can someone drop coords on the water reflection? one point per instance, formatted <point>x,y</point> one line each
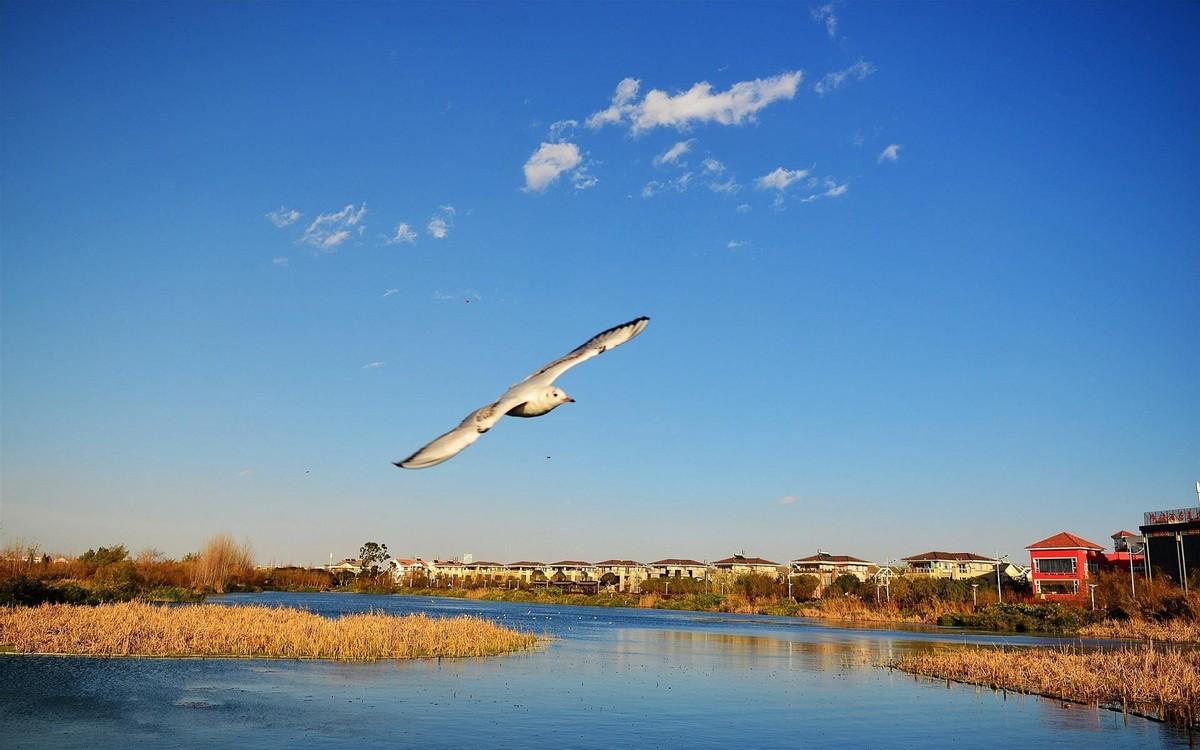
<point>632,678</point>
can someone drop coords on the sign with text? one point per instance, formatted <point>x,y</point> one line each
<point>1179,515</point>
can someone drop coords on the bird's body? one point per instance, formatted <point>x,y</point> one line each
<point>534,396</point>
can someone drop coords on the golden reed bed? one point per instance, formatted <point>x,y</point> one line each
<point>137,629</point>
<point>1163,684</point>
<point>1184,631</point>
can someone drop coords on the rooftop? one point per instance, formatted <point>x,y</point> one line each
<point>678,561</point>
<point>956,556</point>
<point>826,557</point>
<point>743,560</point>
<point>1064,540</point>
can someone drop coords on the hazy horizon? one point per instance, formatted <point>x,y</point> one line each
<point>919,276</point>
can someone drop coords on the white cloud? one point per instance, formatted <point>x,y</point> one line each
<point>389,292</point>
<point>465,295</point>
<point>788,499</point>
<point>831,189</point>
<point>404,233</point>
<point>831,81</point>
<point>744,208</point>
<point>780,178</point>
<point>372,365</point>
<point>327,231</point>
<point>735,244</point>
<point>280,260</point>
<point>548,162</point>
<point>626,90</point>
<point>440,223</point>
<point>825,15</point>
<point>712,166</point>
<point>671,155</point>
<point>284,217</point>
<point>740,103</point>
<point>891,153</point>
<point>246,473</point>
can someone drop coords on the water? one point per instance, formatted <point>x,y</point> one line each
<point>612,678</point>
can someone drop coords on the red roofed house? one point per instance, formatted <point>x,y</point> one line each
<point>1061,565</point>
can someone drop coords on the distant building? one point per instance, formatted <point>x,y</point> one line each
<point>740,565</point>
<point>527,571</point>
<point>570,570</point>
<point>350,565</point>
<point>624,575</point>
<point>1173,541</point>
<point>827,567</point>
<point>954,565</point>
<point>1062,564</point>
<point>676,567</point>
<point>404,569</point>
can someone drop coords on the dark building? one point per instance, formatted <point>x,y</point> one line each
<point>1174,540</point>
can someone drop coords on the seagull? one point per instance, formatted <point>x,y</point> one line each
<point>532,397</point>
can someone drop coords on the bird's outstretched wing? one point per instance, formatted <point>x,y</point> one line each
<point>449,445</point>
<point>594,346</point>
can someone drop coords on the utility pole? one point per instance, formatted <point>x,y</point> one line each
<point>974,591</point>
<point>999,593</point>
<point>1092,587</point>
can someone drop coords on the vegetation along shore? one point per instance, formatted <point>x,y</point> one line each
<point>1158,683</point>
<point>139,629</point>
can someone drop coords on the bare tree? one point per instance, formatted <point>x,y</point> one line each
<point>220,561</point>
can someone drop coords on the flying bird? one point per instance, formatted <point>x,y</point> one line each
<point>532,397</point>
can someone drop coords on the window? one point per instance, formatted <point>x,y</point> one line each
<point>962,567</point>
<point>1057,587</point>
<point>1054,564</point>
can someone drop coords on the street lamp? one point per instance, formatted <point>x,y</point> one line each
<point>974,591</point>
<point>1092,591</point>
<point>999,593</point>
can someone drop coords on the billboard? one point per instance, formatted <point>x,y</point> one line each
<point>1179,515</point>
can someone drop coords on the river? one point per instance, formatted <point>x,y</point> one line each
<point>609,678</point>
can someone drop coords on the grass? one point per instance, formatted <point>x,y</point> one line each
<point>139,629</point>
<point>1163,684</point>
<point>1178,630</point>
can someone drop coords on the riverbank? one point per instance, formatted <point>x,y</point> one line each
<point>211,630</point>
<point>1157,683</point>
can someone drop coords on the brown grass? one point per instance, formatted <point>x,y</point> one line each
<point>1164,684</point>
<point>1181,631</point>
<point>138,629</point>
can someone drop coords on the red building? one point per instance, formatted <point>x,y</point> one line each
<point>1061,565</point>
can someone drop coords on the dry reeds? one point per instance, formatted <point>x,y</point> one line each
<point>1164,684</point>
<point>220,560</point>
<point>1180,631</point>
<point>138,629</point>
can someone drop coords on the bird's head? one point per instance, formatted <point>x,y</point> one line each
<point>557,396</point>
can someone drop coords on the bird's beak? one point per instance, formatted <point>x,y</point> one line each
<point>570,400</point>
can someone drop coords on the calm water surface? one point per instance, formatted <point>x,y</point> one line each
<point>611,678</point>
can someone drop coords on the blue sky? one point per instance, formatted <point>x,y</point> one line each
<point>920,275</point>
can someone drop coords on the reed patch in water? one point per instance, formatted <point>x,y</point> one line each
<point>1158,683</point>
<point>139,629</point>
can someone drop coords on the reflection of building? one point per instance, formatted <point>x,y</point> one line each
<point>740,564</point>
<point>950,564</point>
<point>827,567</point>
<point>1062,564</point>
<point>1173,537</point>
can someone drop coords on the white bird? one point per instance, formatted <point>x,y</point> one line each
<point>532,397</point>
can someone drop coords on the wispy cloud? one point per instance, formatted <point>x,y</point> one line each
<point>891,153</point>
<point>246,473</point>
<point>739,104</point>
<point>466,295</point>
<point>404,234</point>
<point>441,223</point>
<point>280,260</point>
<point>679,185</point>
<point>728,187</point>
<point>712,166</point>
<point>372,365</point>
<point>389,292</point>
<point>832,81</point>
<point>327,231</point>
<point>284,217</point>
<point>825,15</point>
<point>787,499</point>
<point>673,154</point>
<point>744,208</point>
<point>548,162</point>
<point>827,188</point>
<point>780,179</point>
<point>735,244</point>
<point>563,129</point>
